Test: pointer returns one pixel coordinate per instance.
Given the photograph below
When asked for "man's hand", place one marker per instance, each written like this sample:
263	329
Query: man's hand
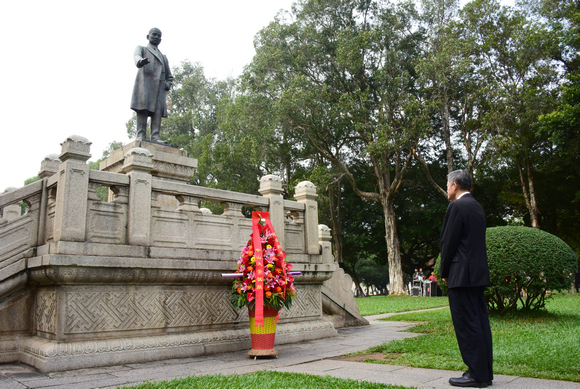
142	62
444	280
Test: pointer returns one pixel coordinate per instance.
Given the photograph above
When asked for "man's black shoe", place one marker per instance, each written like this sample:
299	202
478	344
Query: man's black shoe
465	381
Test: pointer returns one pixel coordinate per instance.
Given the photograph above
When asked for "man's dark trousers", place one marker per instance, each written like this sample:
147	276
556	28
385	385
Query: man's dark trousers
471	322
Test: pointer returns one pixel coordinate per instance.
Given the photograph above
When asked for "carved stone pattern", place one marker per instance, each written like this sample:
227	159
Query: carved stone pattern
165	169
308	302
46	311
124	310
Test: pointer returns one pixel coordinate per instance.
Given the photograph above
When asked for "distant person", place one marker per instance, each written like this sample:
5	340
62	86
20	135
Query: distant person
153	79
417	275
465	270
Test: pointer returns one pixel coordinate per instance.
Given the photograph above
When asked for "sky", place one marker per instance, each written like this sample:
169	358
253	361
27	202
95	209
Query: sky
68	65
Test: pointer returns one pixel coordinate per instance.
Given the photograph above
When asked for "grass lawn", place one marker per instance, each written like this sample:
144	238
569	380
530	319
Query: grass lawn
262	380
542	345
375	305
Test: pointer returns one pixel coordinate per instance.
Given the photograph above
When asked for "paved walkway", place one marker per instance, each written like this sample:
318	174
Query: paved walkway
314	357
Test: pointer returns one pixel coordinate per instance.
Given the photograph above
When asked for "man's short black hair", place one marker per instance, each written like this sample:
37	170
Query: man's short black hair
461	178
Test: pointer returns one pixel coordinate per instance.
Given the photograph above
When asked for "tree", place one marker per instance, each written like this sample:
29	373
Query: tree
456	97
561	194
352	93
513	57
440	71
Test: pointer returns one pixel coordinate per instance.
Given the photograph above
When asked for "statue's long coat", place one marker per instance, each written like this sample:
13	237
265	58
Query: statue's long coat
151	81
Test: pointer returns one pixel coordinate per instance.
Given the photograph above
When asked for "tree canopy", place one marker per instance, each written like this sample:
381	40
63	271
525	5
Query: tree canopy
376	102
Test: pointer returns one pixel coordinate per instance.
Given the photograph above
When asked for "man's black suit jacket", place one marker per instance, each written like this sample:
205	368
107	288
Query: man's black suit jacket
463	251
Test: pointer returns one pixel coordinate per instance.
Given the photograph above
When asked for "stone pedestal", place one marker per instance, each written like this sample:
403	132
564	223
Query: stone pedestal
87	281
168	163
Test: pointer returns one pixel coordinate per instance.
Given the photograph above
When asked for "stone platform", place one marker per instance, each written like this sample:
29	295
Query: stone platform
87	282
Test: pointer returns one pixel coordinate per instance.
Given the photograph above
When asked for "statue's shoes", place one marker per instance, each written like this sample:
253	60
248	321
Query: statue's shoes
161	142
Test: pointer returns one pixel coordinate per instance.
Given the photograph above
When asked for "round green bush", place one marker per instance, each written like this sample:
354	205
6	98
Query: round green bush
524	264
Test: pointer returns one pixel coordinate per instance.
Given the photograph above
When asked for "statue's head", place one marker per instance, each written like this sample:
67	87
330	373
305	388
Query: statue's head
154	36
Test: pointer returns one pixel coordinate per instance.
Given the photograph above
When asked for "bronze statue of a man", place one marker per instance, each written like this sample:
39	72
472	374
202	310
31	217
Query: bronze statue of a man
153	79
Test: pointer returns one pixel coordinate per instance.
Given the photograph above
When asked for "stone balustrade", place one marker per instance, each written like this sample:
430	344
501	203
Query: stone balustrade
138	277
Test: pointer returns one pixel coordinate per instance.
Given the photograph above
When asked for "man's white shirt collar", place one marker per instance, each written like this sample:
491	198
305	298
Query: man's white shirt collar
461	195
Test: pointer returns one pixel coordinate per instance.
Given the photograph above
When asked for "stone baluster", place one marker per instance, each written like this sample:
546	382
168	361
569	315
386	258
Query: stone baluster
48	168
271	187
306	194
232	209
11	212
137	165
188	203
324	239
70	217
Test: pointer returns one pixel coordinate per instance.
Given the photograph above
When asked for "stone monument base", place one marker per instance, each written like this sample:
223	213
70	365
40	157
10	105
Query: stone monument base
168	163
48	355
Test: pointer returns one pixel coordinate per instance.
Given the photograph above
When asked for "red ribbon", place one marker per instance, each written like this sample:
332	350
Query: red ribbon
283	255
259	258
257	218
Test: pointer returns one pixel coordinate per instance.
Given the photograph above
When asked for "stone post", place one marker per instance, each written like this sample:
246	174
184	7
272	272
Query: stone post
10	212
271	187
49	166
324	239
70	217
306	194
137	165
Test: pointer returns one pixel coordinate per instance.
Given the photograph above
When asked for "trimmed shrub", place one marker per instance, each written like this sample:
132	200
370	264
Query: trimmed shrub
524	264
437	271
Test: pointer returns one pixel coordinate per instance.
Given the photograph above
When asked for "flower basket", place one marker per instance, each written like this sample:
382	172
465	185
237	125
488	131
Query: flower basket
263	283
263	336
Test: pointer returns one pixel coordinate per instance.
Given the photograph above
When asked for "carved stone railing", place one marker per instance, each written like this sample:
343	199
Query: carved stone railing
138	277
19	234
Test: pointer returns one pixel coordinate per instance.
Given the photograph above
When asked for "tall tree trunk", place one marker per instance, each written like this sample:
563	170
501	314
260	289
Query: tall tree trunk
334	193
394	250
534	210
529	193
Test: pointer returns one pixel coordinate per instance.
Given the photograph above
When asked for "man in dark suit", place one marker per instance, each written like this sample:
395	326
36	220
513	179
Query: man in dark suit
153	79
464	268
